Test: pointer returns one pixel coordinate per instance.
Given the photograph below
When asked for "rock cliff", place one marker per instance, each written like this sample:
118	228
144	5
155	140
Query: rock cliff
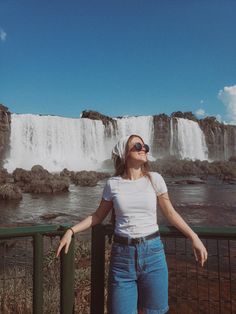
5	126
220	138
109	123
162	135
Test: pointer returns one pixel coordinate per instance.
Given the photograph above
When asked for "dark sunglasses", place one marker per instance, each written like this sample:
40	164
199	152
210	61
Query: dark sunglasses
138	147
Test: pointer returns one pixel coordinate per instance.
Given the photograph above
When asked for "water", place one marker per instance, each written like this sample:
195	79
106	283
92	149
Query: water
211	204
191	140
56	143
76	144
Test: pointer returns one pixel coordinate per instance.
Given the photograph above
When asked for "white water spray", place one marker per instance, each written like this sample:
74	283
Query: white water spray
191	140
57	143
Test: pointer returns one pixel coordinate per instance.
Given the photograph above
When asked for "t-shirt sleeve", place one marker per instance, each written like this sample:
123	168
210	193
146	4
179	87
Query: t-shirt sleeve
106	195
159	184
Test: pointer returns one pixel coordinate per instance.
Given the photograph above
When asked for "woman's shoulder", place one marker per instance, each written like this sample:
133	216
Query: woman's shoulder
113	179
155	174
159	183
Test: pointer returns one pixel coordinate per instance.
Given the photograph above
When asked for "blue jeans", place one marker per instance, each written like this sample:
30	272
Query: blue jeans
138	278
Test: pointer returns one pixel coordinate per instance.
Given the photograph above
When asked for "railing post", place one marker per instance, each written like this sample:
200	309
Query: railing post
68	280
97	270
38	274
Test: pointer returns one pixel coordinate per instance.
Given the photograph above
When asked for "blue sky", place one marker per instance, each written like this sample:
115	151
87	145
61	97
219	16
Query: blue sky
124	57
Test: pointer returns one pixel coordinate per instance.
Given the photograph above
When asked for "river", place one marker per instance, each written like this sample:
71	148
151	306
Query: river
211	204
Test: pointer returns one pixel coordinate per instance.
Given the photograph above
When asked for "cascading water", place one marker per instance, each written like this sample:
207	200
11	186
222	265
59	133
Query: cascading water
142	126
191	140
57	143
171	137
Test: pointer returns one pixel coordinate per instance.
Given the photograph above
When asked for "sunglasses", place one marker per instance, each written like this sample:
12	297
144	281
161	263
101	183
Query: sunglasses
138	147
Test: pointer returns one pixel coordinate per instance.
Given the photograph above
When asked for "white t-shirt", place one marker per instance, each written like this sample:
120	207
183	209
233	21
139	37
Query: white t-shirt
135	204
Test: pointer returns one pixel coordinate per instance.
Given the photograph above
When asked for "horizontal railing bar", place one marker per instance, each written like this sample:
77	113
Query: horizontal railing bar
204	232
209	232
11	232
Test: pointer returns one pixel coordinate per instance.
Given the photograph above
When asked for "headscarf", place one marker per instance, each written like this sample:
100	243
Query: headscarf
119	148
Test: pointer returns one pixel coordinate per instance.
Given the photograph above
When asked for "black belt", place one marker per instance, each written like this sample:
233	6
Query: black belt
127	241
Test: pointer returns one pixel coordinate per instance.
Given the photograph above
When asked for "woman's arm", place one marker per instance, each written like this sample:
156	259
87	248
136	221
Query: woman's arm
176	220
97	217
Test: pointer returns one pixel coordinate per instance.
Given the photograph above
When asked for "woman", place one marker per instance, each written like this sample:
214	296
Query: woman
138	276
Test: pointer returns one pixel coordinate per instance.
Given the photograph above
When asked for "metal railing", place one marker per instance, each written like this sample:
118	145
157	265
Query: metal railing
37	234
192	289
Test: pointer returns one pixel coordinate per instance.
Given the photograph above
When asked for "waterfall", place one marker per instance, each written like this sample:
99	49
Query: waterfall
142	126
171	138
57	143
191	140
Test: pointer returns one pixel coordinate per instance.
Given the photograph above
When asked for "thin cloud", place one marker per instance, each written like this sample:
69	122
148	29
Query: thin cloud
3	35
219	118
228	96
200	112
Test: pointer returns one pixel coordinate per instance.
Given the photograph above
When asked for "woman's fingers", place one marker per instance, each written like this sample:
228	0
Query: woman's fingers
202	256
200	251
67	247
205	255
59	250
64	242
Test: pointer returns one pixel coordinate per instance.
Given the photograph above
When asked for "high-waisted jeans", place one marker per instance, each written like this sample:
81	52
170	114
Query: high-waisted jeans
138	278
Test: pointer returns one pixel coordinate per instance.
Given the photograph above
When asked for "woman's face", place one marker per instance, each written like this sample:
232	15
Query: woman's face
133	154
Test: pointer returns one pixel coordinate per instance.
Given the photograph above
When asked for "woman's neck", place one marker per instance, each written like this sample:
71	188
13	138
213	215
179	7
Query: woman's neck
133	174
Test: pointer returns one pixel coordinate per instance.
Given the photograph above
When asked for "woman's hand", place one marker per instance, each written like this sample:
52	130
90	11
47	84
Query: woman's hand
199	250
65	241
176	220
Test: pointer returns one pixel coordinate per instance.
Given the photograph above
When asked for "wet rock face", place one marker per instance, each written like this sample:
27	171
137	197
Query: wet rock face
3	176
5	126
185	115
109	123
84	178
94	115
9	191
223	170
162	135
39	180
220	138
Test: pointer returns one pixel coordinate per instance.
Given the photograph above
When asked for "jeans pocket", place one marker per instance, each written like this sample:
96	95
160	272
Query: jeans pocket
120	250
155	246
